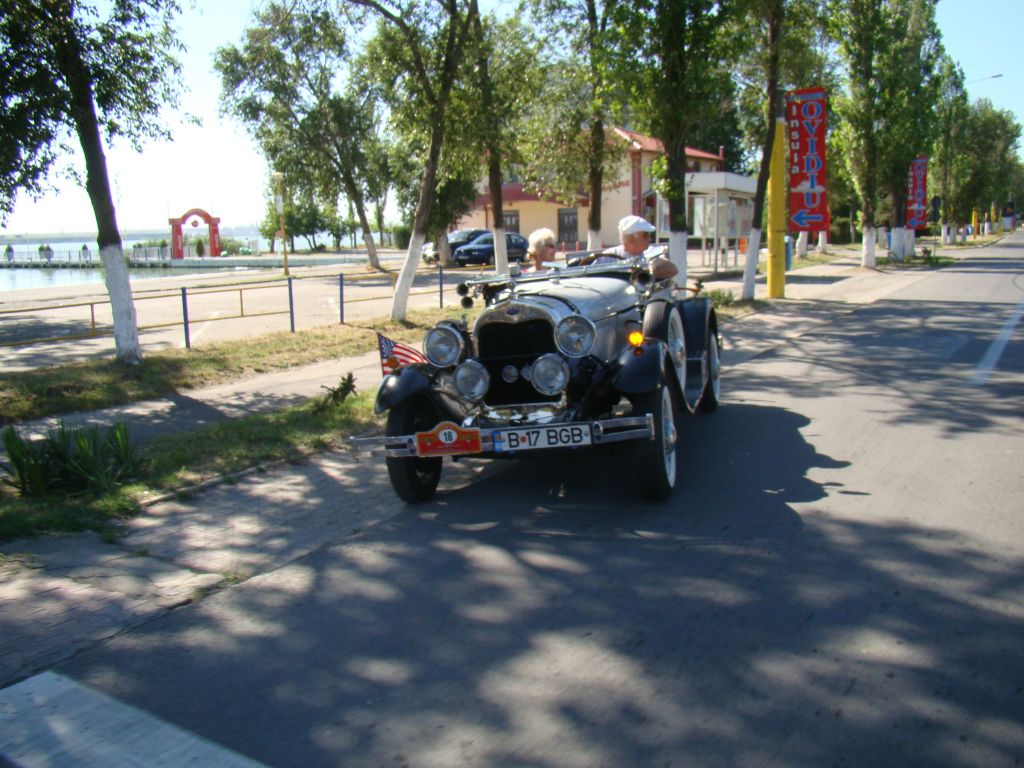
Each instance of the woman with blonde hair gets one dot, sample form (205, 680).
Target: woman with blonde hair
(542, 247)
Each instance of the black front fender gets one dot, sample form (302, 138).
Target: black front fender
(400, 386)
(641, 368)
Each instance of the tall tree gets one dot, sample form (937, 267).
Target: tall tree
(859, 28)
(673, 51)
(282, 83)
(770, 14)
(422, 65)
(68, 74)
(950, 148)
(565, 144)
(909, 95)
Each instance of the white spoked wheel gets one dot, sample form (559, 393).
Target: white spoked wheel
(656, 458)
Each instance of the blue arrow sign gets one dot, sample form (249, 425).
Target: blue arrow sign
(803, 217)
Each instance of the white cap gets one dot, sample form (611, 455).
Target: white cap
(633, 224)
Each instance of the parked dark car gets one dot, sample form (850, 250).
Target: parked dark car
(455, 239)
(568, 359)
(481, 249)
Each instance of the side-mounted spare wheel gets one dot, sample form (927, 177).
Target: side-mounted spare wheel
(711, 394)
(414, 479)
(662, 321)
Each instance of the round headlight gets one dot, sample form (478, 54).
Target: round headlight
(472, 380)
(550, 374)
(575, 336)
(442, 346)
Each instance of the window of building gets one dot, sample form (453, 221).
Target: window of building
(568, 226)
(510, 220)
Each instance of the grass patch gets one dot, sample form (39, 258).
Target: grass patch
(92, 385)
(175, 463)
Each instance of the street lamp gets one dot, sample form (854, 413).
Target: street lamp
(987, 77)
(278, 178)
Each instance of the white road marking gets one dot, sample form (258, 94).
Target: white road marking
(50, 720)
(995, 350)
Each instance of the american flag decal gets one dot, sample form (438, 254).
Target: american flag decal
(394, 354)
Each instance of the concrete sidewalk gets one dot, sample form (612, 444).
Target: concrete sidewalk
(59, 595)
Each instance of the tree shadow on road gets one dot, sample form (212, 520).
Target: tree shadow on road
(534, 616)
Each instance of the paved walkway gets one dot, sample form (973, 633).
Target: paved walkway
(59, 595)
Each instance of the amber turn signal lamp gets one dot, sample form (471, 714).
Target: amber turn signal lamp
(636, 338)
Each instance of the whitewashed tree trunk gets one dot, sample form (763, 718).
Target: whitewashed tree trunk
(500, 251)
(593, 240)
(945, 235)
(822, 241)
(867, 257)
(677, 253)
(909, 242)
(126, 333)
(801, 244)
(896, 244)
(750, 265)
(404, 285)
(371, 250)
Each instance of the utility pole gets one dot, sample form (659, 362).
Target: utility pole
(278, 179)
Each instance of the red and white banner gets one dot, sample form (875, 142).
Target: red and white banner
(917, 194)
(805, 134)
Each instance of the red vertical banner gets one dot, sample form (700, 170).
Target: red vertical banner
(917, 194)
(805, 135)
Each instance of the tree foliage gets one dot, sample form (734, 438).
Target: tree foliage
(71, 75)
(283, 83)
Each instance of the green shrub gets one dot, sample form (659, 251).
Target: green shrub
(403, 235)
(70, 461)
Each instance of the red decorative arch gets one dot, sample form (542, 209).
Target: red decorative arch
(177, 240)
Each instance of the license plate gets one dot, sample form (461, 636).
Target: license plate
(532, 438)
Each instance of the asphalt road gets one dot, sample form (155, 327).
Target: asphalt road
(837, 581)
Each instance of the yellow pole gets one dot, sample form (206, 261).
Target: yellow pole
(974, 222)
(777, 216)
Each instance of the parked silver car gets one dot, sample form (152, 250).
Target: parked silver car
(565, 359)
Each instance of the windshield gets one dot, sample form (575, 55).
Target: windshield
(462, 236)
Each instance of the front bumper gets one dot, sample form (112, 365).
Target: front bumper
(603, 432)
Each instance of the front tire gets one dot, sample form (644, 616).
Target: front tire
(414, 479)
(656, 458)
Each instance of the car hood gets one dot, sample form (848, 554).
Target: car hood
(594, 297)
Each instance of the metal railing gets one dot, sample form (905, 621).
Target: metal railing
(188, 318)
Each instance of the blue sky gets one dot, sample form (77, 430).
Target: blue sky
(216, 166)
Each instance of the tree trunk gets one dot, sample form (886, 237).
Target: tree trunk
(97, 184)
(677, 238)
(399, 304)
(493, 149)
(775, 18)
(595, 179)
(355, 196)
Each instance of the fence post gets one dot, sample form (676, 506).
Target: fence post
(184, 314)
(341, 298)
(440, 283)
(291, 304)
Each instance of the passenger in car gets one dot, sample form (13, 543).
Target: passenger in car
(635, 234)
(542, 248)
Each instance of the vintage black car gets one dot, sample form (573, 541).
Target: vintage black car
(563, 359)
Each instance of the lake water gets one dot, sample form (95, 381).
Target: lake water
(25, 278)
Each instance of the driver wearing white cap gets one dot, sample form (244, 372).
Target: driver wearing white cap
(635, 234)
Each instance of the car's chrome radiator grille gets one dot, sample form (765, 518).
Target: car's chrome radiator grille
(517, 345)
